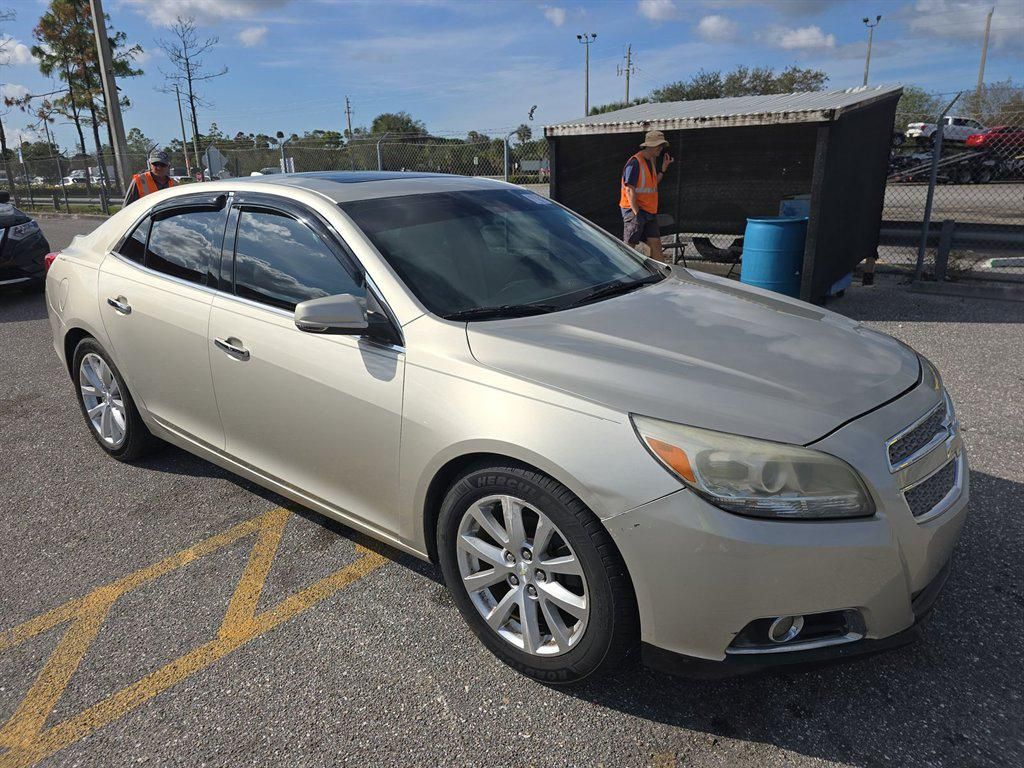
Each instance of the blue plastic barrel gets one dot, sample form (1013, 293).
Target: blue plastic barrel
(773, 253)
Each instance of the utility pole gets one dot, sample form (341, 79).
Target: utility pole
(871, 37)
(184, 141)
(984, 54)
(627, 70)
(106, 62)
(585, 40)
(348, 118)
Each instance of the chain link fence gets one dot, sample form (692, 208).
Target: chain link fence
(976, 217)
(84, 184)
(976, 226)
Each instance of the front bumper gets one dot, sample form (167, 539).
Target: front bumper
(735, 665)
(702, 576)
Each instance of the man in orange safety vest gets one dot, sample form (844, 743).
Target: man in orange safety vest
(147, 182)
(638, 198)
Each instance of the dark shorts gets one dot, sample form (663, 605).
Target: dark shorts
(636, 228)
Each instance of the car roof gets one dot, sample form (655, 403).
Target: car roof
(347, 186)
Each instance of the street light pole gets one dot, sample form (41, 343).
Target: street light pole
(984, 54)
(871, 37)
(585, 40)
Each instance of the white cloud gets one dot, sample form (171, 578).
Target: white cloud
(964, 20)
(19, 135)
(14, 52)
(141, 57)
(554, 14)
(800, 39)
(658, 10)
(13, 91)
(162, 13)
(717, 29)
(252, 36)
(799, 8)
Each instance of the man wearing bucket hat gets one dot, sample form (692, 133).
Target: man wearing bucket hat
(157, 177)
(638, 198)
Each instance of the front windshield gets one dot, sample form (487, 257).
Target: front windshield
(495, 251)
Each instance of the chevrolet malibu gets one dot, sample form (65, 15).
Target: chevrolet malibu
(599, 454)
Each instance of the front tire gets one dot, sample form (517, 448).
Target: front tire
(107, 405)
(536, 575)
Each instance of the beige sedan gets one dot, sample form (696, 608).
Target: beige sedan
(600, 454)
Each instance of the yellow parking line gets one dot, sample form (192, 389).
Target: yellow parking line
(23, 734)
(238, 619)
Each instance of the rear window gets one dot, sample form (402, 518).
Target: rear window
(186, 243)
(134, 246)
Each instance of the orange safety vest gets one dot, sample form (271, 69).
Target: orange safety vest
(145, 183)
(646, 188)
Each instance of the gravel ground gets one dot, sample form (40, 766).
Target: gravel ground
(384, 672)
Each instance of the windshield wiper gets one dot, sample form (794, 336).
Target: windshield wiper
(504, 310)
(615, 289)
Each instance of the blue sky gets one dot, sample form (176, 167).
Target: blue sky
(460, 65)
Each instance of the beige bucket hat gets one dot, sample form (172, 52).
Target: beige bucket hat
(654, 139)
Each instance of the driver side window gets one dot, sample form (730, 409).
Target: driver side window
(279, 261)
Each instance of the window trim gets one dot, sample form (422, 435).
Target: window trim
(320, 227)
(358, 277)
(200, 200)
(220, 282)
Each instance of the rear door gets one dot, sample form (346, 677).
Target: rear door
(321, 413)
(155, 295)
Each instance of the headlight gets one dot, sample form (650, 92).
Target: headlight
(21, 231)
(756, 477)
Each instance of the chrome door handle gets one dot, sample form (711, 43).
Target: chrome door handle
(120, 306)
(235, 351)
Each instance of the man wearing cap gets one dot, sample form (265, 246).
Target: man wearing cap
(639, 196)
(157, 177)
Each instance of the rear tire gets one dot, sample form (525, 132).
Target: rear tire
(550, 596)
(107, 405)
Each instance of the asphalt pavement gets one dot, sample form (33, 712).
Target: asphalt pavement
(173, 614)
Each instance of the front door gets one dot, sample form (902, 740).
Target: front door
(155, 303)
(321, 413)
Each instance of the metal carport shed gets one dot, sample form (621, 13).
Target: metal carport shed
(740, 157)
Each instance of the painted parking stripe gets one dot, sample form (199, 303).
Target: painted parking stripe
(24, 737)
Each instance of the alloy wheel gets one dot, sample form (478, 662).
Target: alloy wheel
(522, 576)
(104, 403)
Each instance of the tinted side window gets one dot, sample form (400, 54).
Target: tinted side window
(280, 261)
(134, 248)
(184, 244)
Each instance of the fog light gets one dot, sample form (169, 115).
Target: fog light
(785, 628)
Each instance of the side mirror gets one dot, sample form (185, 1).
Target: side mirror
(342, 314)
(5, 197)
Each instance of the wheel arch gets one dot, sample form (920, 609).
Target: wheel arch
(455, 466)
(72, 339)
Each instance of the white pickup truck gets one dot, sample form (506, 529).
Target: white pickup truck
(956, 129)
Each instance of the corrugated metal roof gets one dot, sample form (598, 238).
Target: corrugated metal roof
(775, 109)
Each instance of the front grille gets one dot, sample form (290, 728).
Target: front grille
(906, 446)
(924, 496)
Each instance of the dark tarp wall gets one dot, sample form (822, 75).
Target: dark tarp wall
(725, 175)
(846, 214)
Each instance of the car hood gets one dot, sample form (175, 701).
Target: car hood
(710, 353)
